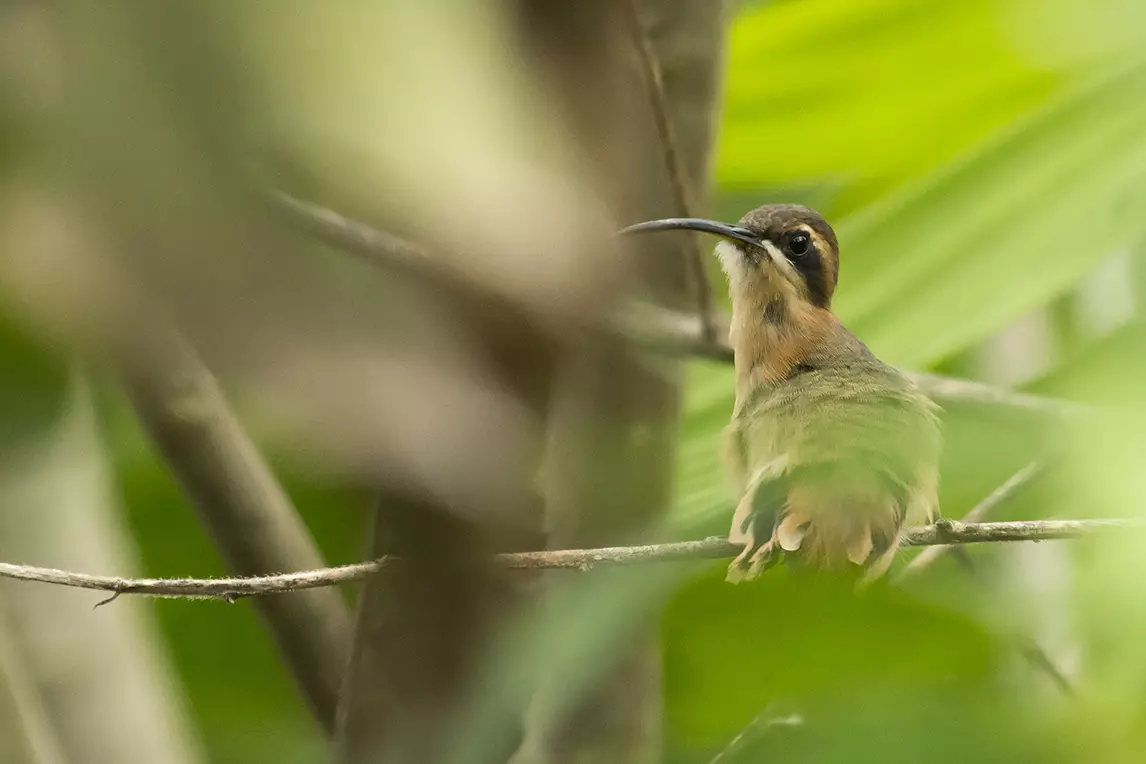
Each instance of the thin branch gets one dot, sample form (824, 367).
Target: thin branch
(955, 532)
(250, 517)
(977, 393)
(1039, 658)
(925, 559)
(978, 513)
(763, 723)
(382, 249)
(378, 246)
(230, 589)
(653, 76)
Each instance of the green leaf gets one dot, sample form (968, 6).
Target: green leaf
(1109, 370)
(870, 91)
(936, 268)
(730, 650)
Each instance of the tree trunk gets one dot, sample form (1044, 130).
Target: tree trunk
(612, 437)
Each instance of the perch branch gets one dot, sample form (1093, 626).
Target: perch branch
(944, 532)
(978, 513)
(656, 328)
(653, 76)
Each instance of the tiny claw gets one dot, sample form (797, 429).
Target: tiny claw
(736, 570)
(750, 563)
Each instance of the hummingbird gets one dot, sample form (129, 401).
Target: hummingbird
(832, 452)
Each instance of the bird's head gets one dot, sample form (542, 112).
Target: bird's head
(783, 251)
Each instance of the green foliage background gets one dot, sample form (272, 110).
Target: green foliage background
(980, 159)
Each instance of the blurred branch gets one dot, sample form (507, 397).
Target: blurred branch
(108, 690)
(653, 77)
(978, 513)
(415, 632)
(762, 724)
(646, 119)
(967, 391)
(656, 328)
(925, 559)
(354, 236)
(27, 735)
(254, 524)
(1039, 658)
(230, 589)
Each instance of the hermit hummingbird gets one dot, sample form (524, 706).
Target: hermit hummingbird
(833, 452)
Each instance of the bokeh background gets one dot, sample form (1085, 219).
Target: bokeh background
(983, 162)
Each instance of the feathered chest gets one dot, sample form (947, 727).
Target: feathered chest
(861, 414)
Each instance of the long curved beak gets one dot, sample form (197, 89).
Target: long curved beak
(694, 224)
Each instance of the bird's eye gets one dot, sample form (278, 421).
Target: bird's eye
(798, 243)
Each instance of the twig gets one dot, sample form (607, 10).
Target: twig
(925, 559)
(383, 249)
(977, 393)
(355, 236)
(978, 513)
(653, 76)
(944, 532)
(248, 514)
(1038, 658)
(763, 723)
(955, 532)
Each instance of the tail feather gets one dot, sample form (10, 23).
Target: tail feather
(792, 530)
(820, 527)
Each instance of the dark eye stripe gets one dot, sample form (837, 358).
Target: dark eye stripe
(811, 267)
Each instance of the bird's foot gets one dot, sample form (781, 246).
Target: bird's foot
(753, 561)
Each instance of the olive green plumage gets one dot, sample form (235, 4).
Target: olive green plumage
(833, 460)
